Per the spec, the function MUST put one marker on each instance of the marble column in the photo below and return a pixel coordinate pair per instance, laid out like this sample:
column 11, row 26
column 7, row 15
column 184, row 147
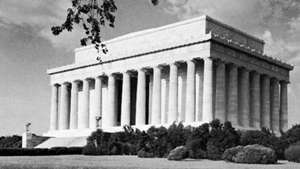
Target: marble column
column 54, row 107
column 275, row 105
column 265, row 101
column 199, row 92
column 84, row 114
column 64, row 113
column 156, row 96
column 98, row 99
column 140, row 117
column 125, row 105
column 74, row 106
column 190, row 92
column 111, row 119
column 243, row 106
column 255, row 100
column 232, row 99
column 173, row 93
column 208, row 90
column 283, row 106
column 220, row 107
column 163, row 107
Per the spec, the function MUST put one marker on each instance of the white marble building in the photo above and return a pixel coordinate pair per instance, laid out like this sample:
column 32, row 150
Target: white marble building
column 191, row 71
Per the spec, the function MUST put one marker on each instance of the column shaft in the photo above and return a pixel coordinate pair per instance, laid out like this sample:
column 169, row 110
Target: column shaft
column 190, row 92
column 275, row 105
column 156, row 97
column 140, row 118
column 265, row 102
column 74, row 106
column 125, row 105
column 220, row 107
column 243, row 106
column 163, row 100
column 84, row 115
column 98, row 100
column 255, row 117
column 64, row 113
column 54, row 108
column 112, row 111
column 208, row 90
column 173, row 94
column 232, row 100
column 283, row 106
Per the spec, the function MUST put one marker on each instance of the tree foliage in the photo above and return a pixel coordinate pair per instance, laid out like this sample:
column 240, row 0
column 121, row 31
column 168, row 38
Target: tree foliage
column 91, row 16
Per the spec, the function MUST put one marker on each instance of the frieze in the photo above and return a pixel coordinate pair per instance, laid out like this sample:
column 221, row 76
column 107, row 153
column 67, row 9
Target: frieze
column 236, row 37
column 248, row 59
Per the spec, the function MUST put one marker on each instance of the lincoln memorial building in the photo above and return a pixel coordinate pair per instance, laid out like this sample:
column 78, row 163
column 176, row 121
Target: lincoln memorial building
column 192, row 71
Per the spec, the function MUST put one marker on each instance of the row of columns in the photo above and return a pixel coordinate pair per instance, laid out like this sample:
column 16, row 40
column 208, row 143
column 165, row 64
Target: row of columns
column 249, row 99
column 228, row 94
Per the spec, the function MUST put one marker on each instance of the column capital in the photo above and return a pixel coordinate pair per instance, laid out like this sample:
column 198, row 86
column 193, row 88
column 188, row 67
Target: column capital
column 283, row 82
column 244, row 69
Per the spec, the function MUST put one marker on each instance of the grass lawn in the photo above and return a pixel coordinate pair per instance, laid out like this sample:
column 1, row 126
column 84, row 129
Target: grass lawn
column 122, row 162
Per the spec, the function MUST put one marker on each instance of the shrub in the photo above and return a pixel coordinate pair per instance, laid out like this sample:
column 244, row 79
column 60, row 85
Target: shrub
column 157, row 142
column 177, row 136
column 292, row 153
column 251, row 154
column 197, row 141
column 264, row 137
column 144, row 154
column 178, row 153
column 11, row 142
column 221, row 138
column 40, row 151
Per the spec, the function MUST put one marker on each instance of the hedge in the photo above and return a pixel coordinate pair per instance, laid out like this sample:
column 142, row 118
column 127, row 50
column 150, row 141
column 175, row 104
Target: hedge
column 40, row 151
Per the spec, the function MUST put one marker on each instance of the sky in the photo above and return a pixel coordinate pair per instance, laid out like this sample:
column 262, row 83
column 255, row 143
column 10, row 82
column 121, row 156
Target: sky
column 28, row 49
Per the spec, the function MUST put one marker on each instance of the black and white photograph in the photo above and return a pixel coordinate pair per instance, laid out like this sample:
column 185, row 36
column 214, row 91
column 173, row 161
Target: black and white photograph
column 149, row 84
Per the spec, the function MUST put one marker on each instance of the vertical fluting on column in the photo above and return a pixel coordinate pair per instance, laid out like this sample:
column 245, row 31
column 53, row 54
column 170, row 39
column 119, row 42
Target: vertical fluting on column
column 180, row 98
column 173, row 93
column 208, row 90
column 64, row 113
column 220, row 106
column 232, row 99
column 84, row 114
column 199, row 91
column 111, row 118
column 156, row 96
column 140, row 117
column 243, row 100
column 265, row 101
column 275, row 105
column 54, row 107
column 125, row 105
column 255, row 117
column 283, row 105
column 74, row 106
column 190, row 92
column 98, row 99
column 163, row 100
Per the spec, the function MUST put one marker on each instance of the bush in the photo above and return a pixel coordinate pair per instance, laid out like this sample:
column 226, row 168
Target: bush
column 196, row 144
column 221, row 138
column 251, row 154
column 144, row 154
column 11, row 142
column 292, row 153
column 264, row 137
column 178, row 153
column 40, row 151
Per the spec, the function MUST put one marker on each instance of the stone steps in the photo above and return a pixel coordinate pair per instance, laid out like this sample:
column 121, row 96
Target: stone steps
column 63, row 142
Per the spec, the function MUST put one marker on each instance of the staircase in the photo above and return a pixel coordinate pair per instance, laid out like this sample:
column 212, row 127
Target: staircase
column 63, row 142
